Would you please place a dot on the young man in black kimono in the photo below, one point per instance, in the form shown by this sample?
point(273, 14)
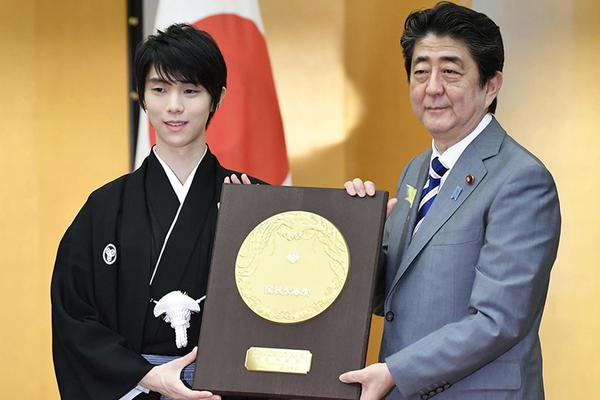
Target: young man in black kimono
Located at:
point(145, 235)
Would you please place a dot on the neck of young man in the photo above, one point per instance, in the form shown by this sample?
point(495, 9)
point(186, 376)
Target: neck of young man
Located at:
point(182, 160)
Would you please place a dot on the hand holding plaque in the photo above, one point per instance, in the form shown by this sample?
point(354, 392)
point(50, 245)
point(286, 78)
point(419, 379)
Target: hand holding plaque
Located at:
point(288, 309)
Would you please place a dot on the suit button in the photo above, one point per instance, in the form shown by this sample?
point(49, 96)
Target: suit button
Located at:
point(389, 316)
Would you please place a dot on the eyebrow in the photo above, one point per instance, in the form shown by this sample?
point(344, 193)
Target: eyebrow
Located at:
point(453, 59)
point(166, 82)
point(158, 80)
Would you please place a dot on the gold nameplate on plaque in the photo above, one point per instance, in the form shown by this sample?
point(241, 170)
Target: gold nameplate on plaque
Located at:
point(292, 266)
point(264, 359)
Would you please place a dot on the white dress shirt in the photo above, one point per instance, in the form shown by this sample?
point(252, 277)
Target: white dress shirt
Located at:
point(449, 157)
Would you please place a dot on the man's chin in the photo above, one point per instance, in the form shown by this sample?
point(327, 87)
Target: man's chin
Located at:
point(436, 127)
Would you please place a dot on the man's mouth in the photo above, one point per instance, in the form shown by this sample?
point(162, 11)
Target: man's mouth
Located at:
point(175, 126)
point(175, 123)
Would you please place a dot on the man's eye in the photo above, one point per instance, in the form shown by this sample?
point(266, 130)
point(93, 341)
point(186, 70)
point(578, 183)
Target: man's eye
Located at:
point(158, 90)
point(448, 71)
point(190, 91)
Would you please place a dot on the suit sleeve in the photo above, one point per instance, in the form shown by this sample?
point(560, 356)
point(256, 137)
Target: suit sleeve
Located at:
point(91, 360)
point(509, 289)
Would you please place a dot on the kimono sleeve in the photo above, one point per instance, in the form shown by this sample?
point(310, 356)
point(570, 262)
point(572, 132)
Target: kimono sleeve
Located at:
point(91, 359)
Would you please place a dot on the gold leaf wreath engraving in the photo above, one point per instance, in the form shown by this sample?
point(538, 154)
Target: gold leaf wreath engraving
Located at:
point(292, 266)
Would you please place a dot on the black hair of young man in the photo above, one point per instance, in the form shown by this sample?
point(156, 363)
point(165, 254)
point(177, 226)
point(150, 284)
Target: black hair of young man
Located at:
point(480, 34)
point(185, 54)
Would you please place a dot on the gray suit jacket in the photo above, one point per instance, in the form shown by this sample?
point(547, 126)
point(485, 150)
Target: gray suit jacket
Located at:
point(464, 297)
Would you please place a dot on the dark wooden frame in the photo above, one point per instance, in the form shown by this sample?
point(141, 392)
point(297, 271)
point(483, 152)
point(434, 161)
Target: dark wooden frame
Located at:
point(337, 338)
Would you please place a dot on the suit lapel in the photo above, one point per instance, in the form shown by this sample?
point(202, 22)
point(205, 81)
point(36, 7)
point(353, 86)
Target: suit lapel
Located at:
point(403, 223)
point(443, 207)
point(486, 145)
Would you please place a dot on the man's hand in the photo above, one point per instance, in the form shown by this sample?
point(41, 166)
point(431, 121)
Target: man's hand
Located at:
point(236, 181)
point(357, 187)
point(165, 379)
point(376, 380)
point(233, 179)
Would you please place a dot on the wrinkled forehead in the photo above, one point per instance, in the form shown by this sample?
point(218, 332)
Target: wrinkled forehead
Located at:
point(432, 48)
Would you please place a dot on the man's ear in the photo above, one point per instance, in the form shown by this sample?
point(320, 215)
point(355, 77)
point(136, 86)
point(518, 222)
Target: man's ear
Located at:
point(493, 86)
point(221, 97)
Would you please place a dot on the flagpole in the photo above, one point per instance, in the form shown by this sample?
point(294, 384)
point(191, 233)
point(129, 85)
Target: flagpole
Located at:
point(135, 33)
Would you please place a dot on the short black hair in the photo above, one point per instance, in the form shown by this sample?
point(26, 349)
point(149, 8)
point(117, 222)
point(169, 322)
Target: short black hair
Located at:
point(480, 34)
point(185, 54)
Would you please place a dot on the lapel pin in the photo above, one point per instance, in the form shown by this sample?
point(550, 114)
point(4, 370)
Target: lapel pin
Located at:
point(456, 193)
point(469, 179)
point(411, 192)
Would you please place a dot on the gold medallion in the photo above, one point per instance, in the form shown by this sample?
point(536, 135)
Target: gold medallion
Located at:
point(292, 266)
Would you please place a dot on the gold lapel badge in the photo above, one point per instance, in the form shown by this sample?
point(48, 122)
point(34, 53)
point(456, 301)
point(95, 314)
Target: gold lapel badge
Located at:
point(411, 193)
point(469, 179)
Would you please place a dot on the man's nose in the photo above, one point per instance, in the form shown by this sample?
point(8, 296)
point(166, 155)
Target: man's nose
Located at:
point(434, 84)
point(175, 105)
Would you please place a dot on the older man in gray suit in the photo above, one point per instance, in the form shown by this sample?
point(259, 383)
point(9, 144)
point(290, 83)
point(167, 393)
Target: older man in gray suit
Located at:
point(469, 246)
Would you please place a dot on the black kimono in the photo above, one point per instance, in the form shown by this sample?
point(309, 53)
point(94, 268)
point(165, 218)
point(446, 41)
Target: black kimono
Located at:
point(102, 306)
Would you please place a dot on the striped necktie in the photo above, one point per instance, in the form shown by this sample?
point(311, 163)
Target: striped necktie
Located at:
point(431, 189)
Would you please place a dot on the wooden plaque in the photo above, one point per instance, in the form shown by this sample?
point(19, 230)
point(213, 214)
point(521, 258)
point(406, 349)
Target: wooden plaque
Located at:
point(310, 355)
